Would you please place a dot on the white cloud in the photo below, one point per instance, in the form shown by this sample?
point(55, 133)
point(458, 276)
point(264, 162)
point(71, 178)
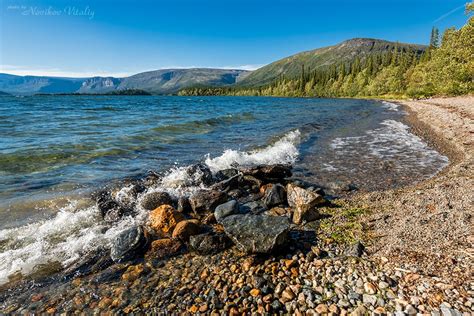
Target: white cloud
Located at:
point(244, 67)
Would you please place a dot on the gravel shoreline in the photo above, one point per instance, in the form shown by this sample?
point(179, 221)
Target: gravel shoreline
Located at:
point(418, 256)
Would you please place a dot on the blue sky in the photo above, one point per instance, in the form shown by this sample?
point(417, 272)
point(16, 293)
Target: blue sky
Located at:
point(94, 37)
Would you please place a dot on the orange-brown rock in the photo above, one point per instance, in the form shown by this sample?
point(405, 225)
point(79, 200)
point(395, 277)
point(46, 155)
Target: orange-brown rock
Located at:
point(186, 229)
point(164, 219)
point(164, 247)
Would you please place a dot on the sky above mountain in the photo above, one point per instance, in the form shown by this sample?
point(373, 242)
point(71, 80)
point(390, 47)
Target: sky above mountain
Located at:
point(82, 38)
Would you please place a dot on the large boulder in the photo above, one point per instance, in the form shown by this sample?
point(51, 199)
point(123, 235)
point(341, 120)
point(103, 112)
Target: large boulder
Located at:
point(209, 243)
point(274, 195)
point(256, 233)
point(129, 244)
point(269, 173)
point(155, 199)
point(304, 201)
point(164, 219)
point(228, 208)
point(207, 200)
point(186, 229)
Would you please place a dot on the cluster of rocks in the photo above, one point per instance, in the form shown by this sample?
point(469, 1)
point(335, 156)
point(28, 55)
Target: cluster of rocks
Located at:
point(246, 244)
point(253, 208)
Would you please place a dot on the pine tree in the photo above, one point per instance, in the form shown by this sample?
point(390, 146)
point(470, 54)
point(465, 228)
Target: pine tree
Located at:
point(434, 40)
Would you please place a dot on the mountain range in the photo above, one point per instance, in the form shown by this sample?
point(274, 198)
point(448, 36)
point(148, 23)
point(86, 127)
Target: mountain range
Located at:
point(170, 81)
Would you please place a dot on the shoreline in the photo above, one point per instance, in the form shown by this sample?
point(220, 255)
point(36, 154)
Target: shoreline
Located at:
point(447, 125)
point(299, 281)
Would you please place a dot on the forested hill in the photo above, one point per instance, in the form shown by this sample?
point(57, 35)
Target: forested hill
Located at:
point(365, 67)
point(345, 52)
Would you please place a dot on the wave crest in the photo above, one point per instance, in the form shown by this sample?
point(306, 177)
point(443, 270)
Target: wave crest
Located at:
point(283, 151)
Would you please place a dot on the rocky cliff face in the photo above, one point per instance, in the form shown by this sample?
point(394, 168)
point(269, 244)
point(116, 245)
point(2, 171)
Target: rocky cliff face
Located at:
point(99, 85)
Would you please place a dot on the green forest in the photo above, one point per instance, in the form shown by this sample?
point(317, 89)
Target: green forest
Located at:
point(446, 67)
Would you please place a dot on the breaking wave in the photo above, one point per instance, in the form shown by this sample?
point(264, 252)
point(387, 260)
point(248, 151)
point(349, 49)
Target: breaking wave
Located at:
point(283, 151)
point(77, 232)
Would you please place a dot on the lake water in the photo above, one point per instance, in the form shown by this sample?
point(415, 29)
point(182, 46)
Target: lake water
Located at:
point(55, 150)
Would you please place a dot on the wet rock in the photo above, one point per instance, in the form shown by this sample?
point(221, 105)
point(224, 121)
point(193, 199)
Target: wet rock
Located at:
point(355, 250)
point(164, 219)
point(226, 174)
point(129, 244)
point(114, 214)
point(110, 209)
point(269, 173)
point(200, 173)
point(304, 201)
point(152, 178)
point(207, 200)
point(183, 205)
point(274, 195)
point(155, 199)
point(186, 229)
point(209, 243)
point(256, 233)
point(229, 184)
point(163, 248)
point(229, 208)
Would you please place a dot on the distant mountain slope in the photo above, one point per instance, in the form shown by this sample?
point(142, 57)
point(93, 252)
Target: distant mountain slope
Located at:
point(35, 84)
point(164, 81)
point(322, 57)
point(172, 80)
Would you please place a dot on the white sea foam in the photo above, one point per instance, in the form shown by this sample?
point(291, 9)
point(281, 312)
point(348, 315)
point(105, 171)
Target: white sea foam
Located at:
point(390, 106)
point(65, 239)
point(393, 142)
point(283, 151)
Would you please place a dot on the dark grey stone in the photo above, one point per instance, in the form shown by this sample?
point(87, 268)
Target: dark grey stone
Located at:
point(129, 244)
point(229, 208)
point(155, 199)
point(276, 195)
point(207, 200)
point(256, 233)
point(209, 243)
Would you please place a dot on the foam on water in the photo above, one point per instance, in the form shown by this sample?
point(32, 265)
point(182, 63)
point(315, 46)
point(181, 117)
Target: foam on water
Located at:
point(283, 151)
point(390, 106)
point(74, 233)
point(392, 142)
